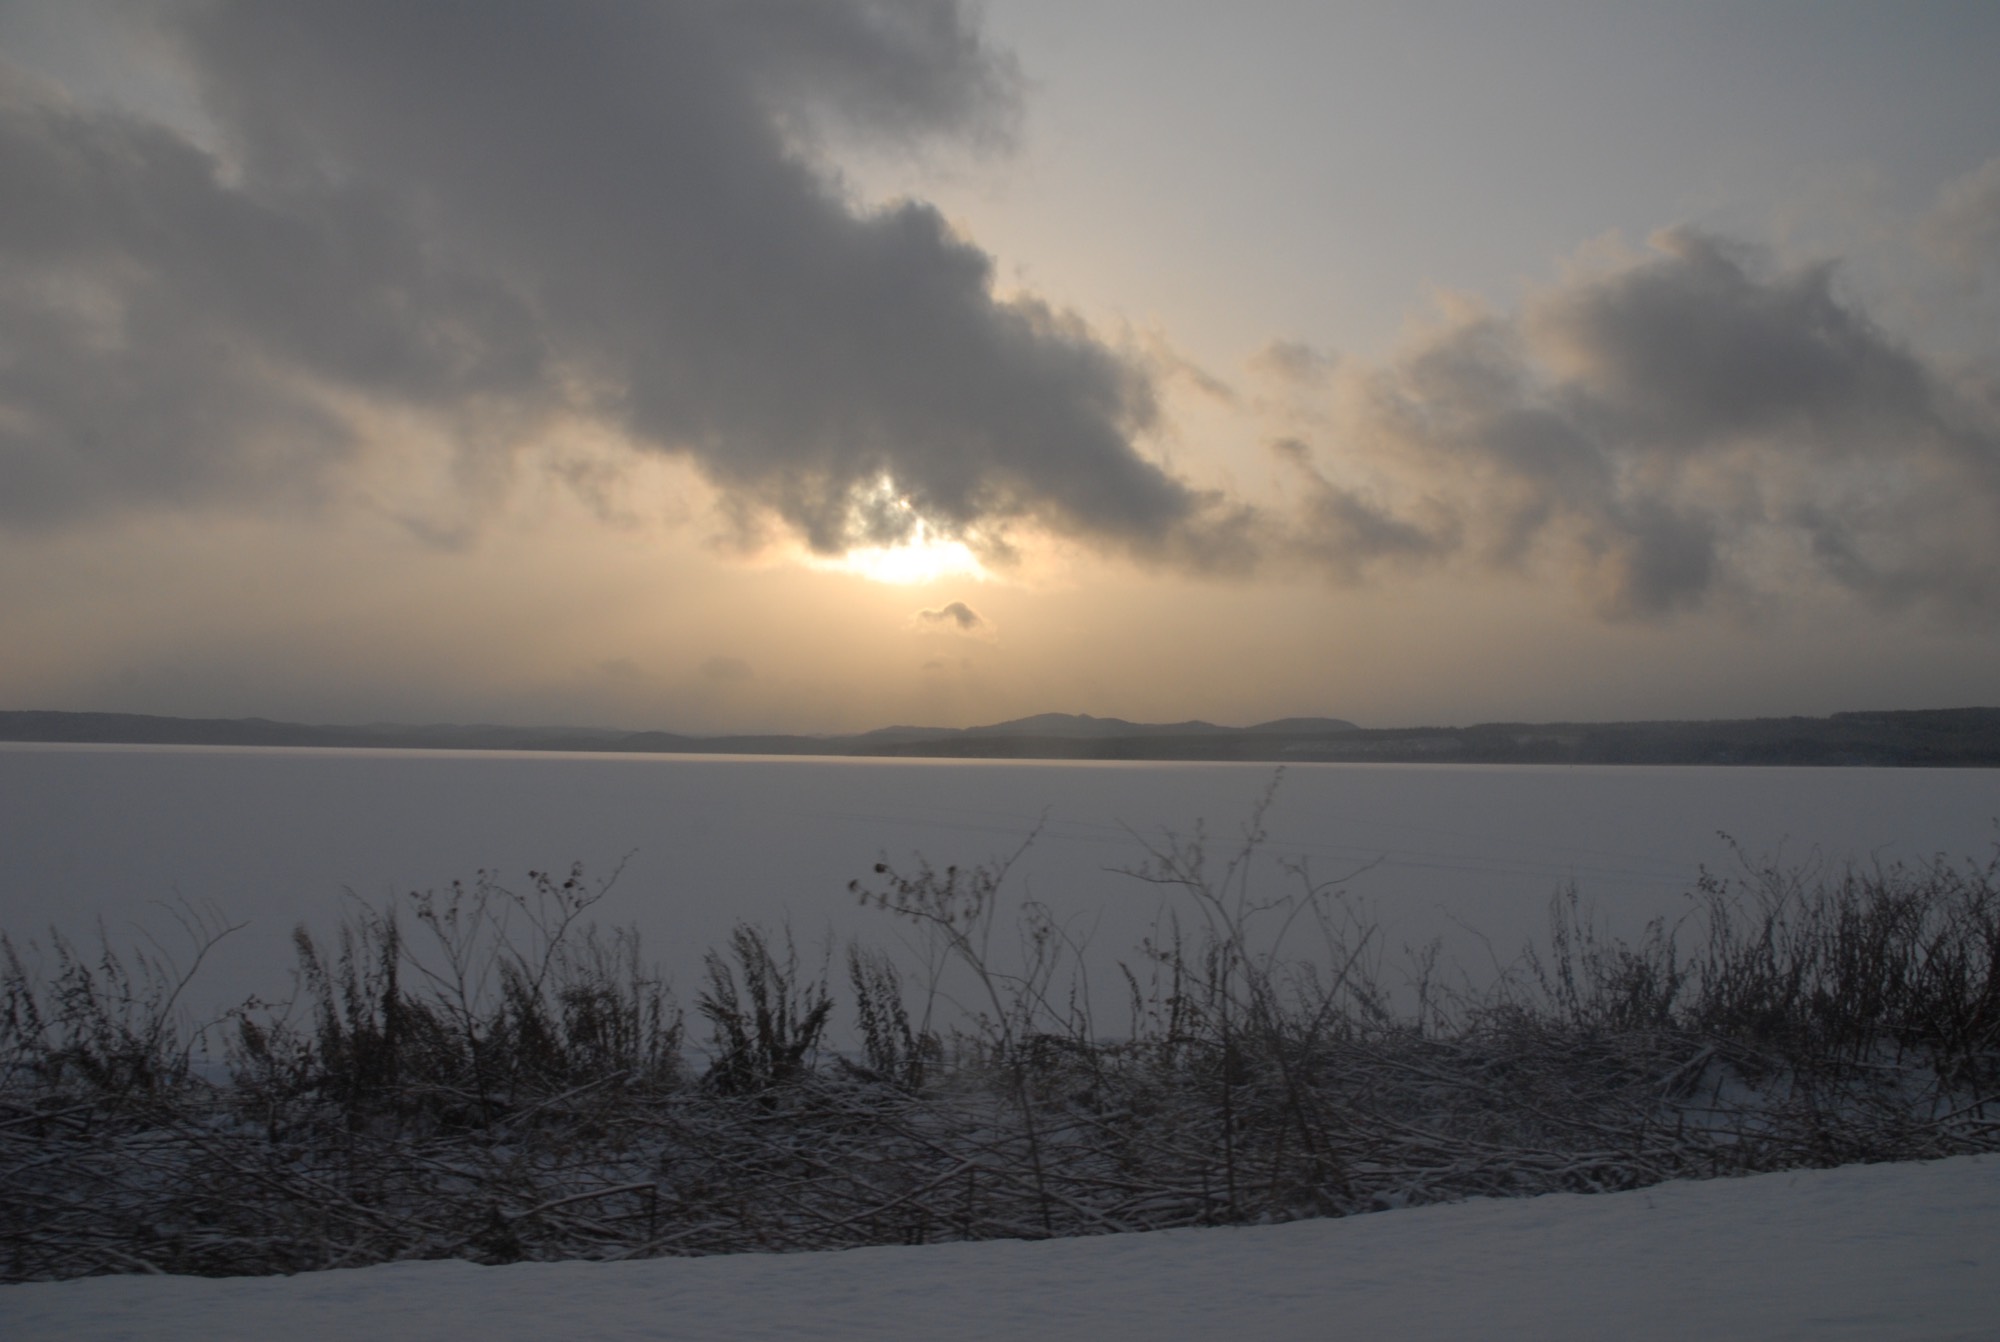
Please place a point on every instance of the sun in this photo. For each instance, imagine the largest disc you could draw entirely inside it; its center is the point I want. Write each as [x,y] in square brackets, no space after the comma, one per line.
[921,559]
[921,556]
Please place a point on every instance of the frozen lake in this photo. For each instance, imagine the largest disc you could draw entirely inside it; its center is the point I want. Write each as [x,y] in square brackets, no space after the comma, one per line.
[272,838]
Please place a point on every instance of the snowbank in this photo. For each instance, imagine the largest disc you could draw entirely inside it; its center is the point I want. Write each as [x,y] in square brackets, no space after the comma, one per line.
[1879,1251]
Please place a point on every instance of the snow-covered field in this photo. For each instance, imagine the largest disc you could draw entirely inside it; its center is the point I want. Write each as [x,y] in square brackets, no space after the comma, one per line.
[1876,1251]
[272,837]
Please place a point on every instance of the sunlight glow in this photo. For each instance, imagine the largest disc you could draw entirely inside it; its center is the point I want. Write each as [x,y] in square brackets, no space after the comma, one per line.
[922,557]
[921,560]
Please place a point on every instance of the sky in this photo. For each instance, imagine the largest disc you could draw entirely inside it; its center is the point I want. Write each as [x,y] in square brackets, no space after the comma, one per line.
[817,365]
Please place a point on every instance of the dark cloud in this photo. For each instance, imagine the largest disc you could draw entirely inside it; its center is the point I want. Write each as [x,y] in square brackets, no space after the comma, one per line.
[132,369]
[505,215]
[956,615]
[1690,422]
[1693,351]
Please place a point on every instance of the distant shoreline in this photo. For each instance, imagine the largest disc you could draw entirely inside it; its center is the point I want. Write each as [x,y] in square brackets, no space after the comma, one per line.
[1916,738]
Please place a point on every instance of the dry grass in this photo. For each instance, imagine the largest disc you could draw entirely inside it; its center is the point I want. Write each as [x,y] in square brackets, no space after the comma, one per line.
[485,1074]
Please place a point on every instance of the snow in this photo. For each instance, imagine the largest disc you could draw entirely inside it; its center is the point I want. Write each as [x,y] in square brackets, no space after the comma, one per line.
[271,838]
[1877,1251]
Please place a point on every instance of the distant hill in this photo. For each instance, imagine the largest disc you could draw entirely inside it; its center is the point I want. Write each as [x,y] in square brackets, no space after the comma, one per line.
[1304,727]
[1082,724]
[1953,737]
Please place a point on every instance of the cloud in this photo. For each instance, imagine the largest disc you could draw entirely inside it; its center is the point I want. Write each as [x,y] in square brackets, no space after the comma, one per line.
[1692,351]
[1666,428]
[1963,227]
[1293,361]
[626,222]
[535,214]
[957,616]
[1344,533]
[727,671]
[1169,364]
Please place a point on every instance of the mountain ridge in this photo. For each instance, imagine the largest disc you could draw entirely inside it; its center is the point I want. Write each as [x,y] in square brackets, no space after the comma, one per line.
[1953,737]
